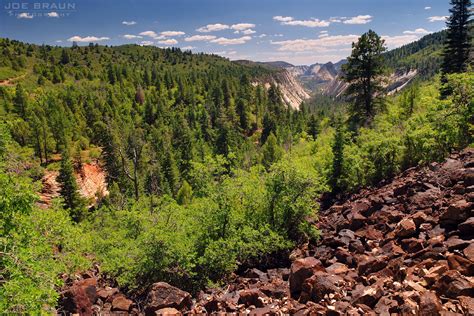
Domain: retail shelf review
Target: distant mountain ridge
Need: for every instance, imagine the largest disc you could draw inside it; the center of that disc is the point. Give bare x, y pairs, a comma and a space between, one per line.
421, 59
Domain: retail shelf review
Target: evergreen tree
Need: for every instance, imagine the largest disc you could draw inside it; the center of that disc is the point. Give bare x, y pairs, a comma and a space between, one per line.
271, 151
458, 42
20, 101
338, 153
243, 114
363, 72
185, 193
65, 59
313, 128
69, 191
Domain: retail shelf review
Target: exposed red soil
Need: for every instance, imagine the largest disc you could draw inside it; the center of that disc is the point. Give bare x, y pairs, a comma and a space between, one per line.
91, 181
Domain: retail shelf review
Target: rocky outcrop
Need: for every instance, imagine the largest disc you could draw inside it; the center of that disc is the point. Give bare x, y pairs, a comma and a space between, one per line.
91, 181
293, 93
403, 248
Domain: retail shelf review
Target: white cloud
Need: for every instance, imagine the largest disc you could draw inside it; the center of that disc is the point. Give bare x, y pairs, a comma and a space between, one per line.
188, 47
170, 41
337, 19
199, 38
262, 35
248, 32
288, 20
360, 19
437, 18
283, 18
171, 33
427, 8
59, 41
213, 28
128, 23
419, 31
149, 34
231, 41
24, 15
242, 26
146, 43
316, 45
87, 39
399, 40
323, 35
53, 15
130, 36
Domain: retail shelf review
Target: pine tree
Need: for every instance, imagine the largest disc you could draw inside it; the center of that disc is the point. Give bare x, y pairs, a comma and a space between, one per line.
69, 191
363, 72
65, 59
313, 126
338, 152
20, 101
458, 42
243, 115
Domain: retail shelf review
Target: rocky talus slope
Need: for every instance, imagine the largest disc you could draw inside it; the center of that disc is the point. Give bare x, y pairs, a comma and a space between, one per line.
404, 248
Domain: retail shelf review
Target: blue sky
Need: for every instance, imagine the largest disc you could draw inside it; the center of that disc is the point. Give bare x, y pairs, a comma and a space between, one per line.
297, 31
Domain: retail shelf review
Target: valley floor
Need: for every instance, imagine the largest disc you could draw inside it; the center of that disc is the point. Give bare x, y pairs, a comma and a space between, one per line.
403, 248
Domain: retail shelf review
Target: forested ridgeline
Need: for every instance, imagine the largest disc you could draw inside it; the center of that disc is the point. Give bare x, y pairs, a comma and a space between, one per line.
207, 172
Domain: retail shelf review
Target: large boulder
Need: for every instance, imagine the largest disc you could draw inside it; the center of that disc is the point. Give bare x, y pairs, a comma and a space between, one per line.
301, 270
80, 297
430, 304
369, 295
406, 228
321, 284
467, 227
456, 213
452, 284
162, 295
251, 297
121, 303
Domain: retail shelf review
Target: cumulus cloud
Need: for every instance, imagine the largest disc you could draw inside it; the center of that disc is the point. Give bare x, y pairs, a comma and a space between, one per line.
337, 19
151, 34
262, 35
199, 38
242, 26
128, 23
427, 8
87, 39
171, 33
231, 41
288, 20
360, 19
283, 18
419, 31
169, 41
130, 36
399, 40
24, 15
248, 32
53, 15
437, 18
146, 43
213, 28
188, 47
318, 45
